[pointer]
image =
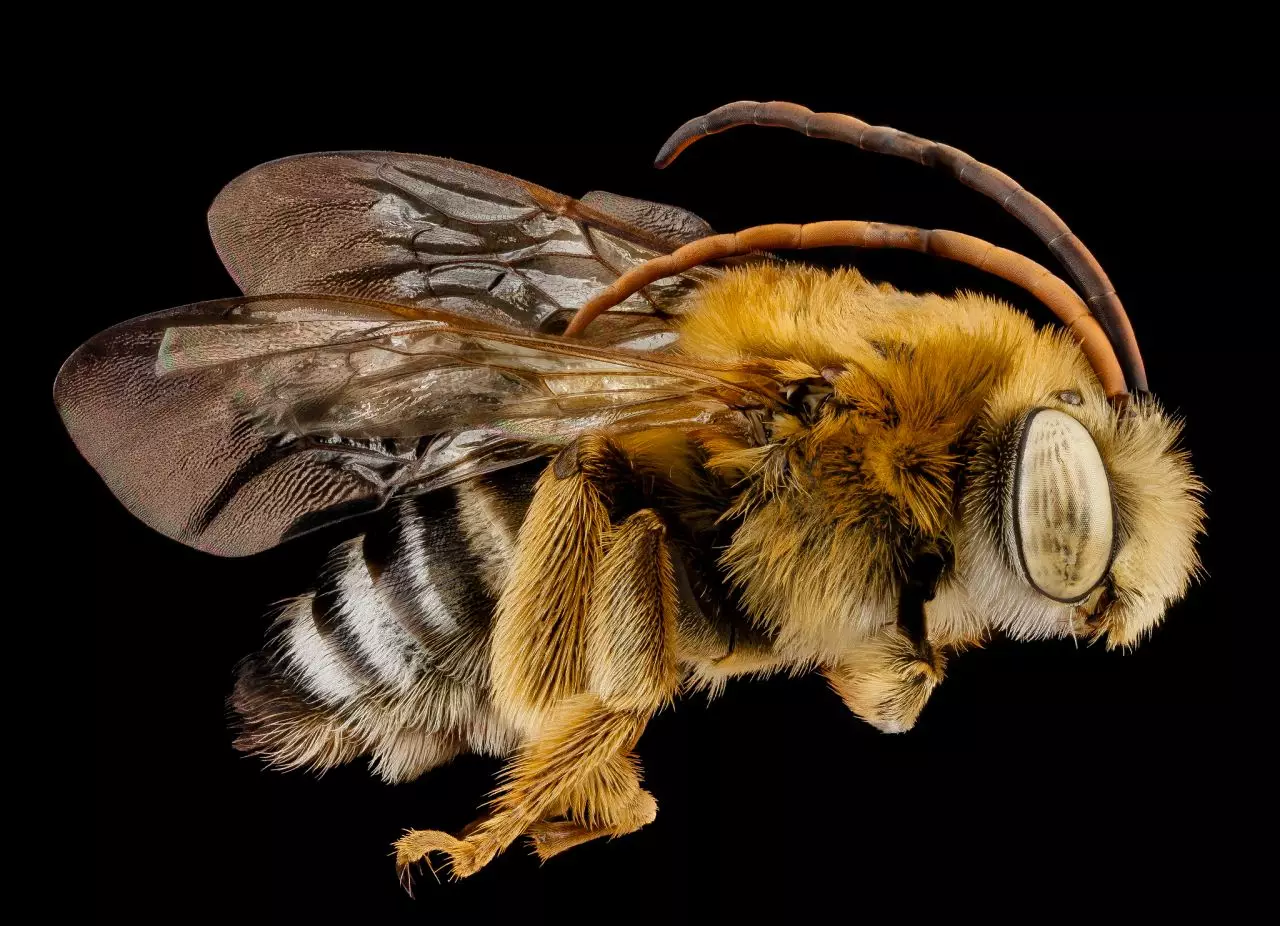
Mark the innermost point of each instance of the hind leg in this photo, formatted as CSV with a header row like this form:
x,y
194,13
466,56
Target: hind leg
x,y
556,769
582,817
551,837
576,760
611,803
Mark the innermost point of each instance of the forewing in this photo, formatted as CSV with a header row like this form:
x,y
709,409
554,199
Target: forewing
x,y
234,425
427,231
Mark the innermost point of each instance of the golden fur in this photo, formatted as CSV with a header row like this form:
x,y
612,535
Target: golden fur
x,y
926,387
885,682
898,441
539,647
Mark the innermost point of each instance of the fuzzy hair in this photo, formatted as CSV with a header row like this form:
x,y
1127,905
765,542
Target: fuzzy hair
x,y
539,644
886,682
912,449
404,732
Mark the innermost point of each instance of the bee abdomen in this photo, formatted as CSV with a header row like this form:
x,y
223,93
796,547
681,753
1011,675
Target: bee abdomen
x,y
279,721
389,656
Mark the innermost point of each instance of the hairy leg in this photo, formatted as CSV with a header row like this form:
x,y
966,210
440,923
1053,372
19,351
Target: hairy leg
x,y
624,808
887,680
576,760
538,651
583,815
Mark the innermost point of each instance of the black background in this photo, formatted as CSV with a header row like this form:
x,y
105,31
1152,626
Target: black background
x,y
1037,770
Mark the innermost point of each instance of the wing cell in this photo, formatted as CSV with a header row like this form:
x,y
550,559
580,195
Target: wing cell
x,y
425,231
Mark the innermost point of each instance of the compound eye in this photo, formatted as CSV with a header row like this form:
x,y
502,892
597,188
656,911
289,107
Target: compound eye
x,y
1061,516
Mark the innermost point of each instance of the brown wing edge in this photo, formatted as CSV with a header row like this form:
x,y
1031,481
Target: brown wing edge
x,y
175,453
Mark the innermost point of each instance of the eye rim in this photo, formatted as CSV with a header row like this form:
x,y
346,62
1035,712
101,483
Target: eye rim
x,y
1015,526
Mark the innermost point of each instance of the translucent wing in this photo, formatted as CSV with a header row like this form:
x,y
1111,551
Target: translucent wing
x,y
425,231
234,425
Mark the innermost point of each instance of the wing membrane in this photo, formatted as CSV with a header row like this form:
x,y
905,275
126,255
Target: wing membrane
x,y
426,231
234,425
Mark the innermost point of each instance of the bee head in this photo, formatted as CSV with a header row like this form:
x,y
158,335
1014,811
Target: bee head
x,y
1079,516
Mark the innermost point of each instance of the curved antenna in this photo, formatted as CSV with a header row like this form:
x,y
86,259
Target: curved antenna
x,y
1065,303
1080,264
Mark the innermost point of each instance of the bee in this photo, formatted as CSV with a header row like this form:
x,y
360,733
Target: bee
x,y
598,456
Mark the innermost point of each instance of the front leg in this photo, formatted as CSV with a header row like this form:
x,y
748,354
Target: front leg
x,y
576,761
887,680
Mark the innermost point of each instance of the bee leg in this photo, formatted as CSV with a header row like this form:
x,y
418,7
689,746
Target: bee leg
x,y
538,648
592,815
611,803
887,680
551,837
561,765
577,757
